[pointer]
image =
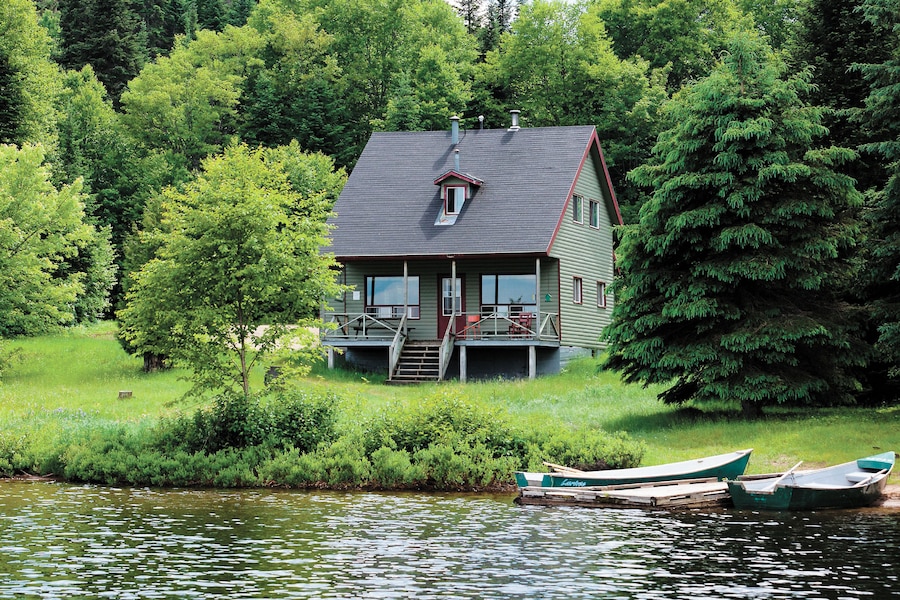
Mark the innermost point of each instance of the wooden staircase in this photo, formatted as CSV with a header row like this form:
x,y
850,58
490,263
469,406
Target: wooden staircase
x,y
419,362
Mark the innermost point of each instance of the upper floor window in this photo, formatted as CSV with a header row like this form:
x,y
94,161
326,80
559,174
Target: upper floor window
x,y
385,298
595,214
454,198
601,294
577,290
578,209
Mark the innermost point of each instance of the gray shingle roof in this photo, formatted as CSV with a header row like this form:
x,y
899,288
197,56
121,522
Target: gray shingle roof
x,y
389,204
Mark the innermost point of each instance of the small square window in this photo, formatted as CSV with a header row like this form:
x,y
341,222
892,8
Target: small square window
x,y
601,294
577,290
578,209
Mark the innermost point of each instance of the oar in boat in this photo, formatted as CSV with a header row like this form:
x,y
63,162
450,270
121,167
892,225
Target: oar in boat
x,y
562,469
868,479
771,486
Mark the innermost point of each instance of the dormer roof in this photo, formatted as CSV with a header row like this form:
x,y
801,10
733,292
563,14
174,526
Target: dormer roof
x,y
451,174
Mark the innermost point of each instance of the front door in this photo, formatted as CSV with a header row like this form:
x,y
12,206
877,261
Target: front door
x,y
447,306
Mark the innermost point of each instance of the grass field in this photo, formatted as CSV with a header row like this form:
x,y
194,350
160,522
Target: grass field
x,y
72,380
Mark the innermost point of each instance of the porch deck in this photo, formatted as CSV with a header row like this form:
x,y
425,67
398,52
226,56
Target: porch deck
x,y
363,329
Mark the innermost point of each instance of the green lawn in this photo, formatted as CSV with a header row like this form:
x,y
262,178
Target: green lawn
x,y
73,379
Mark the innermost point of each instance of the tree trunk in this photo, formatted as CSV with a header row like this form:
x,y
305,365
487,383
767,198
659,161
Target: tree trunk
x,y
751,410
154,362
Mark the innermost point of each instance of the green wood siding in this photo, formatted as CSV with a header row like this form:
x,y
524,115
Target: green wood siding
x,y
585,252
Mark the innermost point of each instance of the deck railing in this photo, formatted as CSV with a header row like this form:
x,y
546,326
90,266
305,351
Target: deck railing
x,y
349,326
524,326
397,345
495,326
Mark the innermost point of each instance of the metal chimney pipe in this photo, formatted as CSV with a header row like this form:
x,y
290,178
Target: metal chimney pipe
x,y
454,130
515,120
456,160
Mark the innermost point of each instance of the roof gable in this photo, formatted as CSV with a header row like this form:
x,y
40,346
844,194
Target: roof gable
x,y
525,178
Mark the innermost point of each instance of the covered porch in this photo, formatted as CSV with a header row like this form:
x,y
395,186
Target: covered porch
x,y
514,312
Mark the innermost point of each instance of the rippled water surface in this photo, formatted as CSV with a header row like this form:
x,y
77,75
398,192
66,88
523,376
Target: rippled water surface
x,y
60,541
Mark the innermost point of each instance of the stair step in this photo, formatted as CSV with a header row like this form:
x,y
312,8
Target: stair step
x,y
419,362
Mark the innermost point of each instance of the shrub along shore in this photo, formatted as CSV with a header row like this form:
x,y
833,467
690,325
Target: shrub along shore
x,y
60,416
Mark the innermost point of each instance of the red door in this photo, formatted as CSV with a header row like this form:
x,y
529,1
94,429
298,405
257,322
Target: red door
x,y
446,304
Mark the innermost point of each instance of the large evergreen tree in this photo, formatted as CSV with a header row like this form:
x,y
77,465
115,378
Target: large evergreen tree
x,y
882,272
832,35
106,34
728,281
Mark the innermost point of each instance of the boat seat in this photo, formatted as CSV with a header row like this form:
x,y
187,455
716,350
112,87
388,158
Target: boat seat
x,y
858,476
824,486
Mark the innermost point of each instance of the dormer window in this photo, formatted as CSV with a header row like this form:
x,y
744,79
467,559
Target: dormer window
x,y
454,197
456,189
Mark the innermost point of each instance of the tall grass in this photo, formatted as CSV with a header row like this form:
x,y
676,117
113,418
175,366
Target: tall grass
x,y
70,382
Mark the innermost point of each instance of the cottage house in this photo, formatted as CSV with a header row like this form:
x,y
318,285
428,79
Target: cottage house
x,y
473,253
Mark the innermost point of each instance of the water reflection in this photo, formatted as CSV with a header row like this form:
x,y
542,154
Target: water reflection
x,y
59,541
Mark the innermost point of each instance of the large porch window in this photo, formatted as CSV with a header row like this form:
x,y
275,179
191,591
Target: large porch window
x,y
385,300
508,294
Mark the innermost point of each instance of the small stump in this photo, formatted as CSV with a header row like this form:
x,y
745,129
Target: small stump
x,y
124,394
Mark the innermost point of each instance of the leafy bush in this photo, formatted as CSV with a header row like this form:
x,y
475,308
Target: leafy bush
x,y
443,417
585,449
301,421
290,419
12,448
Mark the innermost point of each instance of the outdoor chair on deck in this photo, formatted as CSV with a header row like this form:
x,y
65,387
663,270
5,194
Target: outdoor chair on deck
x,y
473,327
520,327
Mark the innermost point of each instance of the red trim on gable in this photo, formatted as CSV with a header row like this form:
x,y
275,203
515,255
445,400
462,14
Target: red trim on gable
x,y
595,140
467,178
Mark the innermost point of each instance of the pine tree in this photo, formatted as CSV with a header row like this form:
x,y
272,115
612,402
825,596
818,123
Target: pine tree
x,y
728,280
882,272
106,34
832,36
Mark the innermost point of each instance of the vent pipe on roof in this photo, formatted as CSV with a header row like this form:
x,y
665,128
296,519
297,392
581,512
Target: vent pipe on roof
x,y
456,160
515,120
454,130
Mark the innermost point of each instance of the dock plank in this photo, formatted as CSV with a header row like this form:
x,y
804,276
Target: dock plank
x,y
669,494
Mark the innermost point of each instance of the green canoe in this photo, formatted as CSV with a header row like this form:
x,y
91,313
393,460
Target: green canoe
x,y
853,484
720,466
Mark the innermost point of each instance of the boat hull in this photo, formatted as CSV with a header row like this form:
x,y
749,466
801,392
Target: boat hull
x,y
725,466
854,484
804,498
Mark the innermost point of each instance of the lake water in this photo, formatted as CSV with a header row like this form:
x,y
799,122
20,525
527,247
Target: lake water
x,y
63,541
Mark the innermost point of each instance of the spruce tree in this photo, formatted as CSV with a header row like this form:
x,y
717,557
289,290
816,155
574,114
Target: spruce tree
x,y
106,34
882,272
728,286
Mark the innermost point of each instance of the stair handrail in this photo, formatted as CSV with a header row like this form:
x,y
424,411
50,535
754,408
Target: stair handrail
x,y
446,350
397,346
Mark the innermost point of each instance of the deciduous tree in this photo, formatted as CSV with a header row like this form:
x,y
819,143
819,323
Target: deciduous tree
x,y
50,258
29,80
558,67
239,266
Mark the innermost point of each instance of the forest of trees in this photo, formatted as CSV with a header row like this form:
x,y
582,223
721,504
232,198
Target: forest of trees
x,y
753,147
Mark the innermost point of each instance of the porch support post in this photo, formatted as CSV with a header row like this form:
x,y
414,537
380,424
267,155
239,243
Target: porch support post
x,y
405,296
463,361
532,362
537,290
453,298
330,358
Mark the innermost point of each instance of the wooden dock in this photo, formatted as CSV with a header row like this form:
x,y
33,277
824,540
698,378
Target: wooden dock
x,y
687,493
